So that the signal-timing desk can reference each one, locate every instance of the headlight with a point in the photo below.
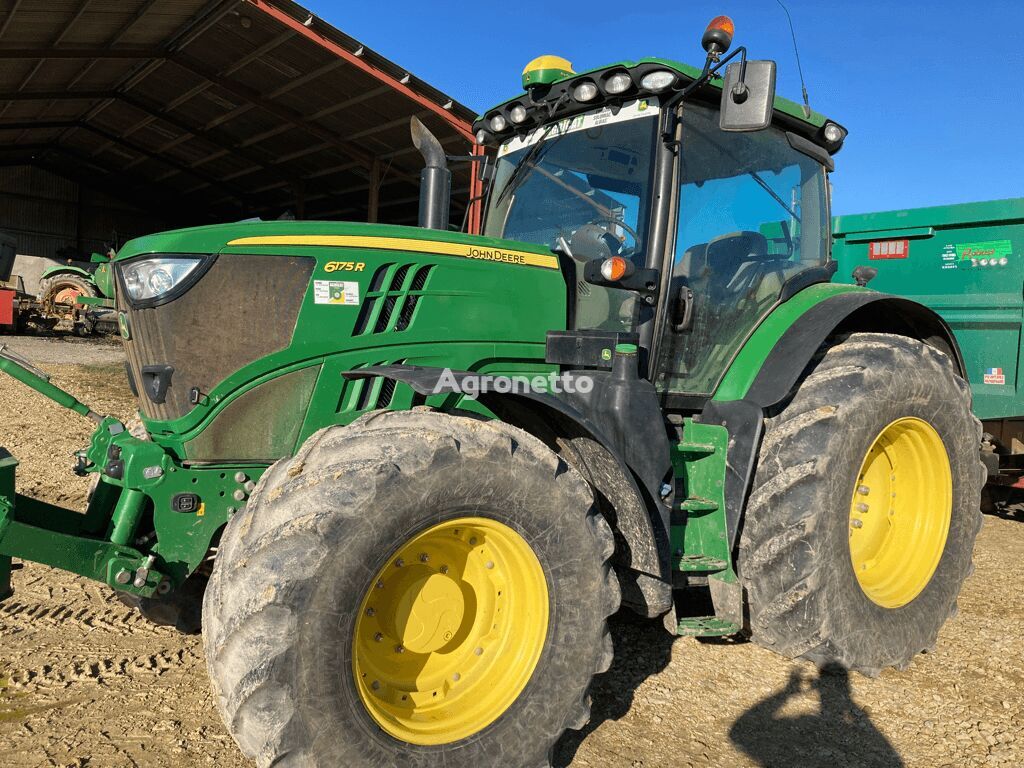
(620, 82)
(518, 113)
(658, 80)
(498, 123)
(148, 279)
(585, 91)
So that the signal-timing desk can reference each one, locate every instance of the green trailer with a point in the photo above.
(966, 262)
(409, 473)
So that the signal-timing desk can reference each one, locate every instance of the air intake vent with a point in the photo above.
(394, 309)
(359, 395)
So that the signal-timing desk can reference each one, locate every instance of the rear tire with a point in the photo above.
(58, 289)
(285, 610)
(799, 559)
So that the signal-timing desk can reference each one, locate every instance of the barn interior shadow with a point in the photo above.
(839, 734)
(642, 648)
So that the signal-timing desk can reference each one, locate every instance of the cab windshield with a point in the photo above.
(585, 180)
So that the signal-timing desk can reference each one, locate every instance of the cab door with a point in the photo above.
(753, 213)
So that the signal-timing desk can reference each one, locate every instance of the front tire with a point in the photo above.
(414, 589)
(865, 506)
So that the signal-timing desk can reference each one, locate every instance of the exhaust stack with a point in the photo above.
(435, 178)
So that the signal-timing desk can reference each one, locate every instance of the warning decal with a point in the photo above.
(335, 292)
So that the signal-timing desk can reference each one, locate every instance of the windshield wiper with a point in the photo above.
(767, 188)
(529, 160)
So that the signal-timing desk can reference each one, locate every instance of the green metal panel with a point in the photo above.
(966, 262)
(748, 362)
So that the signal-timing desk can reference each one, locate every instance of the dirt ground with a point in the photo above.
(84, 681)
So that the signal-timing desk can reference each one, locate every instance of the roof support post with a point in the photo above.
(373, 202)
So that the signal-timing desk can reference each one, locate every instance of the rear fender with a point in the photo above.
(66, 269)
(775, 356)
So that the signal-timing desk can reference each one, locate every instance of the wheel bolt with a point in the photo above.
(380, 584)
(862, 507)
(378, 637)
(488, 565)
(424, 557)
(399, 649)
(444, 569)
(863, 490)
(375, 685)
(857, 523)
(456, 677)
(479, 651)
(370, 612)
(472, 541)
(399, 563)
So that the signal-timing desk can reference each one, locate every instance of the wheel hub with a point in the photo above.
(450, 631)
(900, 512)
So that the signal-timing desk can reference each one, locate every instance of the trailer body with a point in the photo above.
(966, 262)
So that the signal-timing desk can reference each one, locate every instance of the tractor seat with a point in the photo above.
(728, 254)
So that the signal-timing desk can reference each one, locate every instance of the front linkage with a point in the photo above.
(150, 520)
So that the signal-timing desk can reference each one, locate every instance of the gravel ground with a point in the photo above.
(85, 682)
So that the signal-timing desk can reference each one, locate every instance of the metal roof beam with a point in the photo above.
(361, 64)
(280, 112)
(56, 95)
(10, 17)
(96, 52)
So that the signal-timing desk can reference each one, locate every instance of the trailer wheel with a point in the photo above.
(64, 288)
(414, 589)
(865, 506)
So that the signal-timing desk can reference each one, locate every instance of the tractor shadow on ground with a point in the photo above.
(840, 733)
(642, 648)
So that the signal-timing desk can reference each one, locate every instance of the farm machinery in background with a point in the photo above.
(966, 262)
(37, 294)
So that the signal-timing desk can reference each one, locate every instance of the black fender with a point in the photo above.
(630, 431)
(857, 311)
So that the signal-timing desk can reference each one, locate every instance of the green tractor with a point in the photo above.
(412, 472)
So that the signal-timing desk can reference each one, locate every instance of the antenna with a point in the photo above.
(799, 69)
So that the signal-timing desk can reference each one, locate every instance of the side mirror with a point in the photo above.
(748, 93)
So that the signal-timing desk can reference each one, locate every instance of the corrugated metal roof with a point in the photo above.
(213, 110)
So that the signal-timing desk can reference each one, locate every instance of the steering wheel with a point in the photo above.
(617, 223)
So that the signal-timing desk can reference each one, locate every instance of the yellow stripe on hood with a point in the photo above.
(468, 251)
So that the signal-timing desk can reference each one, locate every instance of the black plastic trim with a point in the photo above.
(814, 151)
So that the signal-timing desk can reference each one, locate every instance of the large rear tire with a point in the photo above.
(414, 589)
(865, 506)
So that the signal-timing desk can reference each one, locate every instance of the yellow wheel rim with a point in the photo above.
(900, 513)
(450, 631)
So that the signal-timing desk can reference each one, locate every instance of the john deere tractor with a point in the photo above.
(427, 466)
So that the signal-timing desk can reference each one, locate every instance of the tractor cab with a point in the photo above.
(655, 171)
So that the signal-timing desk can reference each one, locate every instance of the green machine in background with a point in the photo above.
(410, 472)
(966, 262)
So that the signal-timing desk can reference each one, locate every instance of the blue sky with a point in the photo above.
(931, 91)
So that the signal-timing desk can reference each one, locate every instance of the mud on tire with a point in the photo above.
(292, 568)
(803, 595)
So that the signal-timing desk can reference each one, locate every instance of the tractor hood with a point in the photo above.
(247, 235)
(226, 324)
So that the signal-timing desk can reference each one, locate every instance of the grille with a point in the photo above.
(393, 309)
(217, 327)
